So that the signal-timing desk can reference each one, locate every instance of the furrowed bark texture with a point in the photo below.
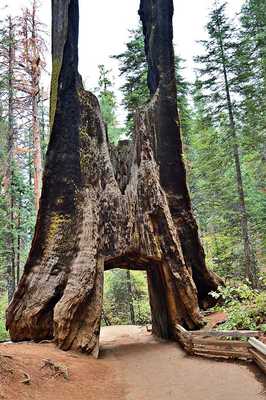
(102, 208)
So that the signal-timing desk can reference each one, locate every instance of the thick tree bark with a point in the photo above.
(96, 214)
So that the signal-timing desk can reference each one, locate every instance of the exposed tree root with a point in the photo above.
(27, 379)
(57, 369)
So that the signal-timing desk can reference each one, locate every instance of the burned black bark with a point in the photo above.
(95, 215)
(157, 17)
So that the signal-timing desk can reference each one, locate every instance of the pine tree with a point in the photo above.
(8, 45)
(108, 104)
(17, 110)
(217, 66)
(212, 192)
(251, 78)
(32, 63)
(134, 70)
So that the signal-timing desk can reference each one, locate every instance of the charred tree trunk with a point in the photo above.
(98, 214)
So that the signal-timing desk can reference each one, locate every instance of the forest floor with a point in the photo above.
(133, 365)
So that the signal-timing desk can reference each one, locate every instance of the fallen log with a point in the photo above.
(234, 333)
(258, 345)
(241, 355)
(259, 359)
(200, 344)
(219, 343)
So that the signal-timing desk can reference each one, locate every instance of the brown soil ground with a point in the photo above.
(133, 366)
(213, 319)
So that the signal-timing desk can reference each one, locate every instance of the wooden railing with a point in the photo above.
(208, 344)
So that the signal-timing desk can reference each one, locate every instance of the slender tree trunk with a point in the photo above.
(10, 166)
(105, 318)
(42, 125)
(130, 298)
(37, 151)
(30, 159)
(12, 278)
(18, 240)
(249, 259)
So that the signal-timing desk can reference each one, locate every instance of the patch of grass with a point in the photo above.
(4, 335)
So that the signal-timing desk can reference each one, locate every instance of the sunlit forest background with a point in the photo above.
(223, 120)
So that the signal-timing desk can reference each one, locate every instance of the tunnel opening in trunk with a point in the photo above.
(136, 294)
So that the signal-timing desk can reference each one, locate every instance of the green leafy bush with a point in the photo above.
(245, 307)
(3, 304)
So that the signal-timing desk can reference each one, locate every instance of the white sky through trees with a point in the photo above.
(104, 28)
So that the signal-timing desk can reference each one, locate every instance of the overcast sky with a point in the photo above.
(104, 28)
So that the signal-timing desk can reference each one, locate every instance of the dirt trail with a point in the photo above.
(133, 366)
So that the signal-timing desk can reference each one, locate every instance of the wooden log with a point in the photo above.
(185, 341)
(185, 338)
(182, 331)
(222, 345)
(234, 333)
(245, 355)
(219, 343)
(253, 350)
(222, 349)
(258, 345)
(259, 359)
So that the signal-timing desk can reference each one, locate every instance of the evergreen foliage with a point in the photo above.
(108, 104)
(133, 68)
(218, 88)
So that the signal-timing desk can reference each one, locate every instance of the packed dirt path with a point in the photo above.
(133, 365)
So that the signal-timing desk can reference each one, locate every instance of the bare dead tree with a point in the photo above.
(31, 63)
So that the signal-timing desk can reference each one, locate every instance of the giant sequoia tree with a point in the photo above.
(130, 209)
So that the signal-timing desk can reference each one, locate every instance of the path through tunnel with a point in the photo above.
(126, 271)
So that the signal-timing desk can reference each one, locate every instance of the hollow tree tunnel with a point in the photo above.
(102, 208)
